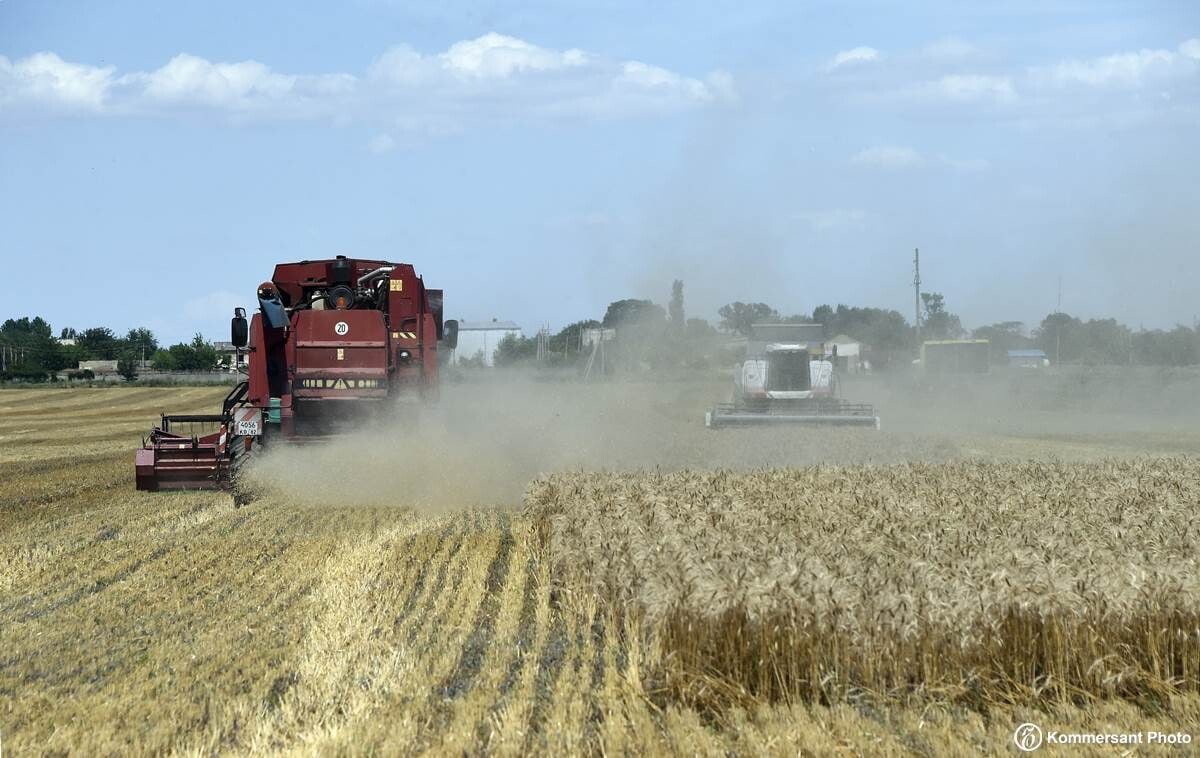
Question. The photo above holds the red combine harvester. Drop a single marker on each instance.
(335, 342)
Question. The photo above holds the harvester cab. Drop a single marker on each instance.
(334, 344)
(787, 379)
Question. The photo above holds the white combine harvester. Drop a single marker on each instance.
(785, 379)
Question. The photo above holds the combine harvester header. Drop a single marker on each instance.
(785, 379)
(334, 343)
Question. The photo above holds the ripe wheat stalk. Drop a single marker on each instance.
(973, 582)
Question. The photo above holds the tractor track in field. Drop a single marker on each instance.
(526, 638)
(461, 679)
(97, 586)
(439, 585)
(595, 717)
(417, 588)
(551, 659)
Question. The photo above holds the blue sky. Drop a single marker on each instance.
(538, 160)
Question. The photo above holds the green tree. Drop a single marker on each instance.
(629, 312)
(184, 356)
(675, 309)
(127, 365)
(569, 339)
(1062, 337)
(939, 323)
(1178, 347)
(1107, 342)
(164, 360)
(29, 344)
(1002, 337)
(71, 355)
(514, 349)
(142, 340)
(99, 343)
(739, 317)
(885, 331)
(206, 354)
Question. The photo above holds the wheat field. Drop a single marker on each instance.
(177, 623)
(981, 583)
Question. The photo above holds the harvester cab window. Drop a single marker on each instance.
(788, 371)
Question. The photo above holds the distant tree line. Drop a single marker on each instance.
(29, 351)
(653, 336)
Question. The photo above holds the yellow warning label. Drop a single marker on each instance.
(395, 335)
(397, 285)
(341, 354)
(404, 335)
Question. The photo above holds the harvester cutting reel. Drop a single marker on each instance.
(200, 451)
(815, 411)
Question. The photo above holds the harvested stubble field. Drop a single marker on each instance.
(418, 608)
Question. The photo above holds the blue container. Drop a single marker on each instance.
(274, 410)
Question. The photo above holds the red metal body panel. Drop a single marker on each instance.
(178, 462)
(340, 354)
(351, 334)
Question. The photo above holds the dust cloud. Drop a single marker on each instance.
(486, 439)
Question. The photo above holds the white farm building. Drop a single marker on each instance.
(480, 338)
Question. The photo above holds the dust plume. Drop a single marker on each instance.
(487, 438)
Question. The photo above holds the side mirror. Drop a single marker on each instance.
(450, 334)
(239, 329)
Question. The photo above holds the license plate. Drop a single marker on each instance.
(247, 422)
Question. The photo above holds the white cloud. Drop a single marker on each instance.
(643, 78)
(499, 56)
(833, 218)
(852, 56)
(47, 80)
(888, 157)
(491, 77)
(186, 78)
(1128, 70)
(1125, 69)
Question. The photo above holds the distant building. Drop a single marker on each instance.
(955, 356)
(227, 353)
(98, 368)
(1028, 358)
(480, 338)
(849, 353)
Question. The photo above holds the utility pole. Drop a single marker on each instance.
(917, 292)
(1058, 324)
